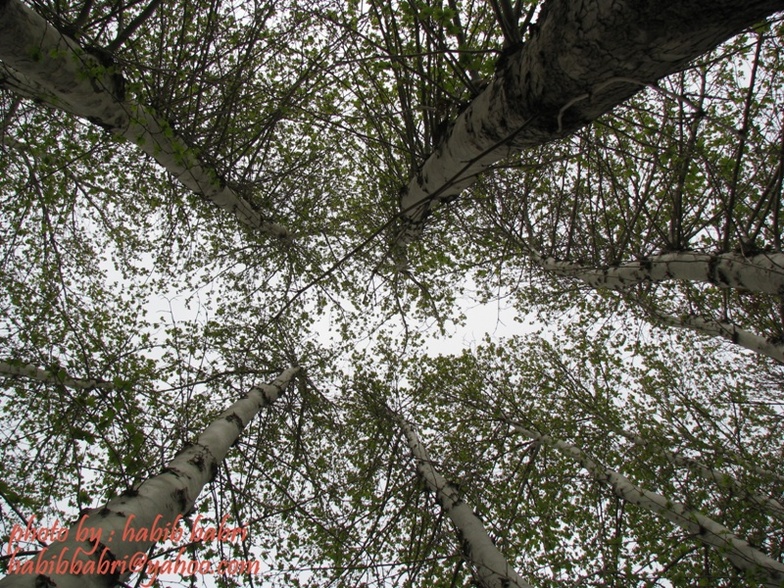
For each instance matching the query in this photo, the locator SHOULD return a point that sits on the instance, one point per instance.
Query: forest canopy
(244, 247)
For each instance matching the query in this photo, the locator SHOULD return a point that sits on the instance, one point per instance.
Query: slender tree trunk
(583, 59)
(724, 480)
(120, 529)
(758, 273)
(758, 565)
(489, 563)
(729, 331)
(39, 62)
(57, 378)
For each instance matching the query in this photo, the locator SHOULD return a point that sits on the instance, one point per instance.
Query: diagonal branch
(758, 565)
(40, 62)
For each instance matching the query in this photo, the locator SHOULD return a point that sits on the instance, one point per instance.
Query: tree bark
(489, 563)
(583, 58)
(760, 273)
(763, 272)
(758, 565)
(727, 330)
(57, 378)
(158, 503)
(40, 62)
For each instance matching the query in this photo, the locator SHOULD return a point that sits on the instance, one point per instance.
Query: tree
(611, 201)
(79, 83)
(561, 79)
(100, 547)
(491, 567)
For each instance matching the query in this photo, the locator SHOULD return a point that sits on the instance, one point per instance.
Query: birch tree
(577, 390)
(316, 114)
(756, 564)
(43, 64)
(688, 193)
(562, 78)
(101, 546)
(491, 567)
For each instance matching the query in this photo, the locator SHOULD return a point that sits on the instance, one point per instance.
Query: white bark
(42, 63)
(761, 273)
(49, 377)
(158, 503)
(722, 479)
(585, 58)
(758, 565)
(758, 273)
(727, 330)
(491, 567)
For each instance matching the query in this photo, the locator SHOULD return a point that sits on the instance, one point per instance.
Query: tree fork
(157, 502)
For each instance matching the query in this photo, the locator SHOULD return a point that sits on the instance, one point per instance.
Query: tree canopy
(197, 197)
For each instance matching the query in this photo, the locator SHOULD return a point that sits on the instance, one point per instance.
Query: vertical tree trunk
(758, 565)
(583, 59)
(120, 529)
(489, 563)
(44, 64)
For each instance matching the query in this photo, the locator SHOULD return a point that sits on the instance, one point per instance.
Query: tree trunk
(723, 480)
(757, 273)
(489, 563)
(582, 59)
(43, 64)
(120, 529)
(758, 565)
(729, 331)
(60, 378)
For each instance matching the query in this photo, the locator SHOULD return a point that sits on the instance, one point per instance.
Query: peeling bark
(584, 58)
(159, 502)
(489, 563)
(758, 273)
(49, 377)
(758, 565)
(41, 63)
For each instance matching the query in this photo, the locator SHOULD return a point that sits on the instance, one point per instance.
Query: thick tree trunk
(757, 273)
(121, 528)
(585, 58)
(490, 565)
(60, 378)
(41, 63)
(758, 565)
